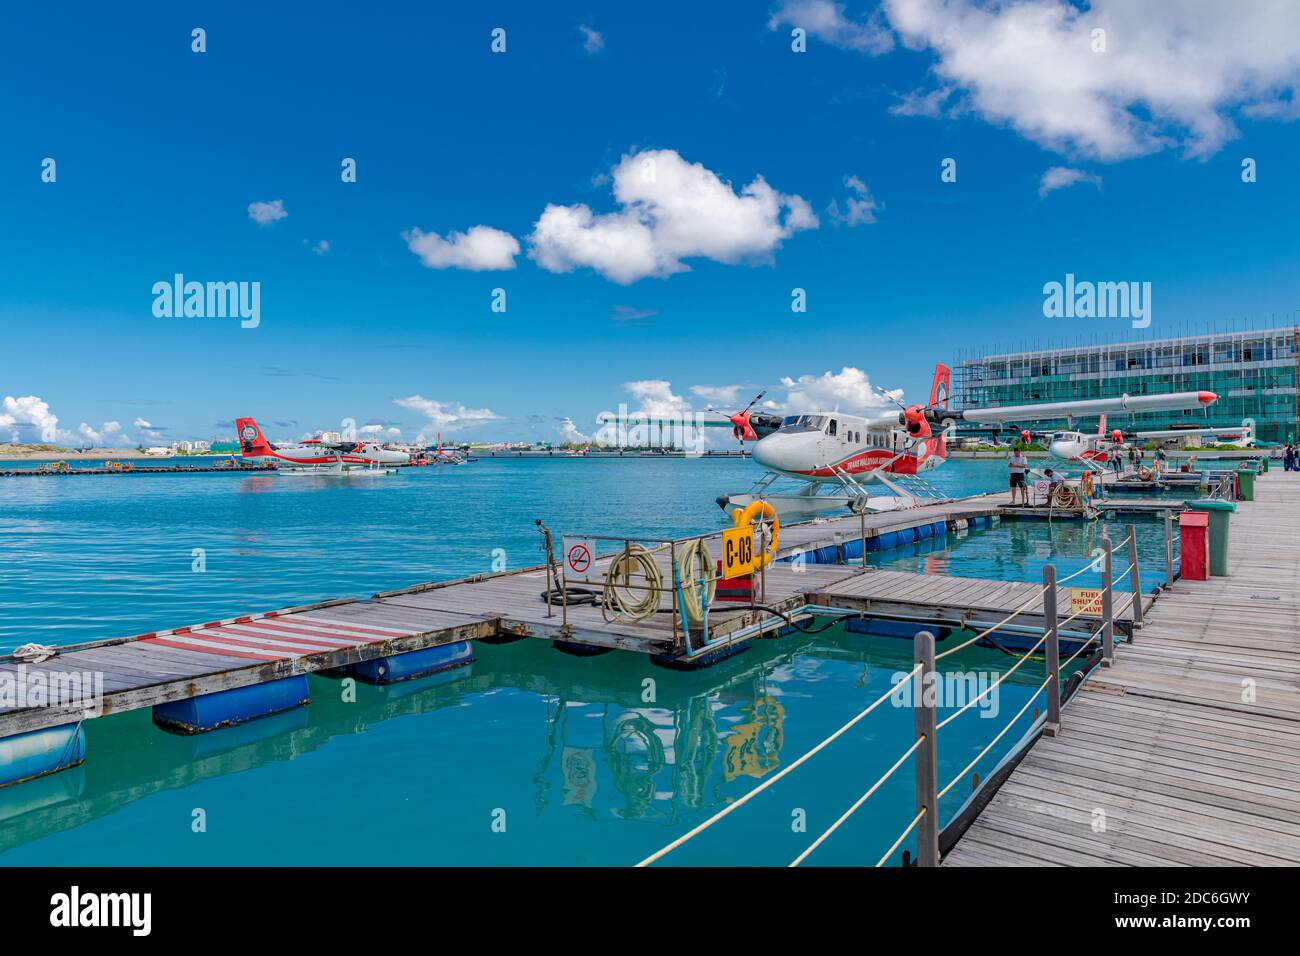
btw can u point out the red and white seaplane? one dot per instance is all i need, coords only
(1096, 449)
(838, 454)
(315, 456)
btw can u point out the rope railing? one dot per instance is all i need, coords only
(988, 690)
(902, 836)
(857, 803)
(1001, 733)
(774, 778)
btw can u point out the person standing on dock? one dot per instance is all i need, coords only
(1018, 465)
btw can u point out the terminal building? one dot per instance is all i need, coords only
(1254, 374)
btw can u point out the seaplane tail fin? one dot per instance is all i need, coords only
(942, 386)
(1101, 425)
(252, 443)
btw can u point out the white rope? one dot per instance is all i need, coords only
(857, 803)
(34, 653)
(988, 690)
(901, 837)
(774, 778)
(1011, 723)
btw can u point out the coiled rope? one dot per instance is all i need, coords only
(624, 600)
(695, 579)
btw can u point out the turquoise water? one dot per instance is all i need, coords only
(582, 762)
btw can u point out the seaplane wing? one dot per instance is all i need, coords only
(1174, 401)
(1246, 428)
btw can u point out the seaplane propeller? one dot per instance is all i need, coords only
(749, 425)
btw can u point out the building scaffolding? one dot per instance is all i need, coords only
(1254, 373)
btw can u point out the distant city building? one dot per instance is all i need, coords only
(159, 450)
(1254, 374)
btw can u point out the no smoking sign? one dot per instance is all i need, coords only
(579, 553)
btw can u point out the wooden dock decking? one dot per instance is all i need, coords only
(1187, 751)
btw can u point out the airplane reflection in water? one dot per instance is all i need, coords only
(605, 752)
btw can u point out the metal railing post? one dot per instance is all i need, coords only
(1052, 645)
(862, 525)
(1134, 580)
(1107, 606)
(927, 782)
(1169, 549)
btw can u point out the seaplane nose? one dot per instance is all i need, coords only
(779, 452)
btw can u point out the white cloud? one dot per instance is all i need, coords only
(445, 416)
(718, 394)
(671, 210)
(142, 424)
(107, 434)
(827, 21)
(657, 398)
(480, 249)
(377, 432)
(569, 432)
(592, 40)
(265, 213)
(1171, 73)
(321, 247)
(859, 206)
(28, 418)
(1059, 177)
(848, 390)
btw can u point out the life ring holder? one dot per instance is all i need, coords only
(745, 516)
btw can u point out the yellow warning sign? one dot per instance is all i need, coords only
(1085, 601)
(738, 558)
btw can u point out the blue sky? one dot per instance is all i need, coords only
(160, 151)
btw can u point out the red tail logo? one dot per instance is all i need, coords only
(252, 443)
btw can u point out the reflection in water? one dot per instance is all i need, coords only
(605, 754)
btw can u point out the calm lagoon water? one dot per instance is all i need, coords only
(567, 751)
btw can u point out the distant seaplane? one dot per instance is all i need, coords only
(1096, 449)
(316, 456)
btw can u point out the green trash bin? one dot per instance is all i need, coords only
(1220, 514)
(1263, 464)
(1246, 482)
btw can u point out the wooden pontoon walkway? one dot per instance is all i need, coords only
(1187, 750)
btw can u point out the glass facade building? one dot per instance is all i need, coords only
(1253, 373)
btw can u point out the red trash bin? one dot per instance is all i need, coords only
(1194, 536)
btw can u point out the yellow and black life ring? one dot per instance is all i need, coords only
(755, 509)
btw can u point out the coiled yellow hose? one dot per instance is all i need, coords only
(698, 582)
(622, 599)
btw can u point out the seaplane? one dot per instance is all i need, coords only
(315, 456)
(1094, 450)
(837, 455)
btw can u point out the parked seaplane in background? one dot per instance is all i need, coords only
(316, 456)
(439, 456)
(1094, 450)
(836, 454)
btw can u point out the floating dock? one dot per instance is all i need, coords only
(820, 566)
(241, 469)
(1186, 752)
